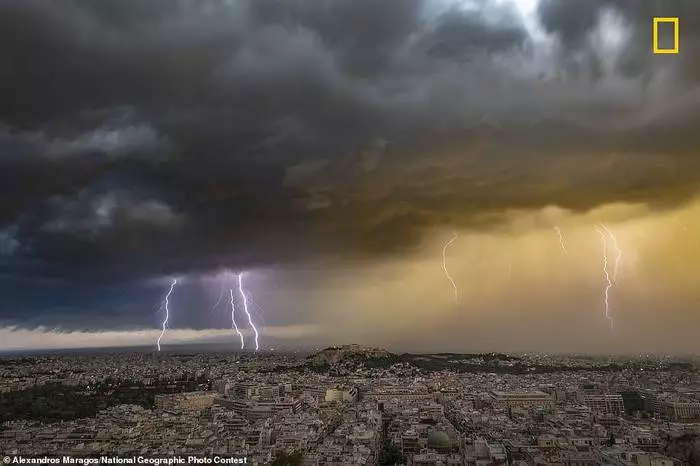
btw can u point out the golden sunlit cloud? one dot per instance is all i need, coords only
(518, 291)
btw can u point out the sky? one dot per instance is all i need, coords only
(329, 150)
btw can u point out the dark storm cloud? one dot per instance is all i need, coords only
(458, 35)
(153, 137)
(573, 20)
(9, 244)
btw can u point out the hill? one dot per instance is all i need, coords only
(348, 353)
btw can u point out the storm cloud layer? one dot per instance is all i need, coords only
(141, 139)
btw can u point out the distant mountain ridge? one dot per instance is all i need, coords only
(353, 357)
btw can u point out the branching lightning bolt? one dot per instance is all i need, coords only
(444, 266)
(221, 295)
(619, 253)
(233, 320)
(245, 308)
(166, 304)
(561, 241)
(606, 273)
(259, 309)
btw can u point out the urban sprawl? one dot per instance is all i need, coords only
(350, 405)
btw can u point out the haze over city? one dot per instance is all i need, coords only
(146, 142)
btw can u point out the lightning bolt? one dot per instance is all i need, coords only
(444, 266)
(166, 304)
(233, 320)
(561, 241)
(691, 234)
(221, 295)
(619, 252)
(606, 273)
(245, 308)
(258, 308)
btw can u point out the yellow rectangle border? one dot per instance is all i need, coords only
(676, 38)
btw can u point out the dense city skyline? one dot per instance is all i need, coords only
(330, 150)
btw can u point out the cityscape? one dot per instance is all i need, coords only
(353, 405)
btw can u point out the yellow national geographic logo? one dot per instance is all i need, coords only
(676, 39)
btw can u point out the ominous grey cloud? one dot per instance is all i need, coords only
(254, 132)
(8, 241)
(572, 21)
(459, 35)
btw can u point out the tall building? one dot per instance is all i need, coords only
(605, 404)
(338, 394)
(683, 411)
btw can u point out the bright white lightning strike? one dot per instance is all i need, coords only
(258, 308)
(166, 304)
(561, 240)
(245, 308)
(606, 273)
(444, 266)
(233, 320)
(619, 252)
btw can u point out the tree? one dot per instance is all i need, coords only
(390, 455)
(295, 459)
(280, 460)
(611, 440)
(283, 459)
